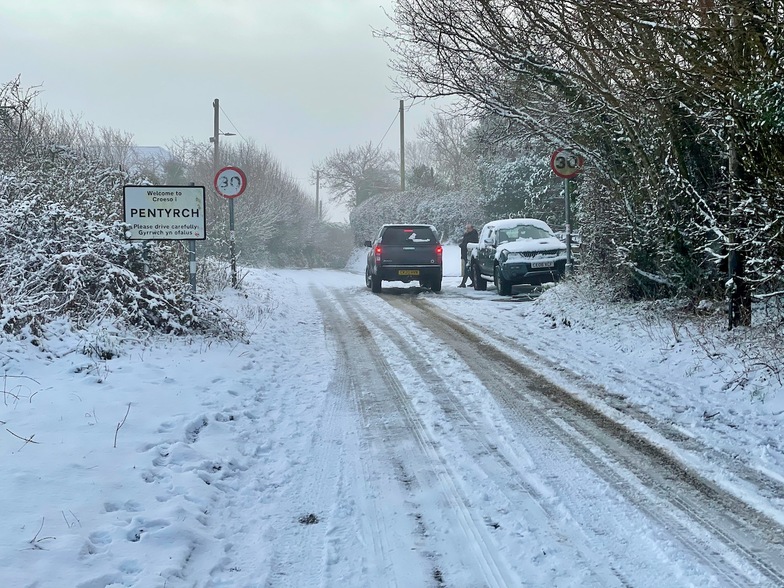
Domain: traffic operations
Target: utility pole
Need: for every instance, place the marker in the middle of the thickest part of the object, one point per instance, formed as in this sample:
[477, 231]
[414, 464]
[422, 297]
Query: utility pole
[402, 150]
[215, 136]
[216, 167]
[318, 212]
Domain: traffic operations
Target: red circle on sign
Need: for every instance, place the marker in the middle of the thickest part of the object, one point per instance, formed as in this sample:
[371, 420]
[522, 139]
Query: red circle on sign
[230, 182]
[565, 164]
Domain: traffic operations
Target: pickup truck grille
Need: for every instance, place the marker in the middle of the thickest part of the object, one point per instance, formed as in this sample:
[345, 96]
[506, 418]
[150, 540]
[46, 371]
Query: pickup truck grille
[549, 253]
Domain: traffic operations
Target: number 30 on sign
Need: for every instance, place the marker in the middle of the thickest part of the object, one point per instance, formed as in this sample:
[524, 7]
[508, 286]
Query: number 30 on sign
[230, 182]
[565, 164]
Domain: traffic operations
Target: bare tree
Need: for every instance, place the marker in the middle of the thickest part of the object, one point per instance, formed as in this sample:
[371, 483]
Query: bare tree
[448, 139]
[16, 115]
[672, 102]
[274, 218]
[358, 173]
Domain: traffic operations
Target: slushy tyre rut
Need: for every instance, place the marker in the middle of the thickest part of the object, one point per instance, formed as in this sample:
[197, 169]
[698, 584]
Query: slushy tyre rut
[546, 470]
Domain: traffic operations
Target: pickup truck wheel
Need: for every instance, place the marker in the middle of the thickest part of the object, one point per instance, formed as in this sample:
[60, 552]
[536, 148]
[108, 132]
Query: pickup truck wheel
[375, 284]
[479, 282]
[367, 277]
[435, 285]
[503, 286]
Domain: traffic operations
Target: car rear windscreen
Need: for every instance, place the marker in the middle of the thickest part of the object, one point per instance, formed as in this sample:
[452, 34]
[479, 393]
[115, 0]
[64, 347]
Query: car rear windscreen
[408, 236]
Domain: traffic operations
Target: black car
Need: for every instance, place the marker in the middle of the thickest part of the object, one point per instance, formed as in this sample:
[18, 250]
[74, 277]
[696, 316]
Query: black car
[405, 253]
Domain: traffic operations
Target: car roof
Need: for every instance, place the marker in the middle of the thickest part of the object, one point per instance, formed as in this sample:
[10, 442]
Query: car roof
[513, 222]
[408, 225]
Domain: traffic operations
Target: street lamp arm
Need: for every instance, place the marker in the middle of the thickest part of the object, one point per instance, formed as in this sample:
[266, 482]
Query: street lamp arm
[212, 139]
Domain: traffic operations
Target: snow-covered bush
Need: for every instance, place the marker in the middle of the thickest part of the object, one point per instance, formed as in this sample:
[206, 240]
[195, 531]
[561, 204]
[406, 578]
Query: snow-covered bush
[447, 211]
[63, 252]
[276, 223]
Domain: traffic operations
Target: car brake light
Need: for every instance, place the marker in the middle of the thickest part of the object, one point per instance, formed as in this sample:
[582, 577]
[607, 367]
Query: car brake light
[439, 249]
[377, 252]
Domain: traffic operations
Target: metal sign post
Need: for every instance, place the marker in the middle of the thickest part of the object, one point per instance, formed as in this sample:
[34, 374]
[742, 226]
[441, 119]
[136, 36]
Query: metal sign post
[568, 219]
[192, 264]
[231, 182]
[567, 165]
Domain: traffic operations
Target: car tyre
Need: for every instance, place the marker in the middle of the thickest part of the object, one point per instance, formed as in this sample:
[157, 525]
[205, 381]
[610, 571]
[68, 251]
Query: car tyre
[375, 284]
[435, 285]
[503, 286]
[479, 282]
[367, 277]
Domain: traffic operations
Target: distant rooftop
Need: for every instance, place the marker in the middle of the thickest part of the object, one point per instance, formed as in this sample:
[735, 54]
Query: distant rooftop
[150, 152]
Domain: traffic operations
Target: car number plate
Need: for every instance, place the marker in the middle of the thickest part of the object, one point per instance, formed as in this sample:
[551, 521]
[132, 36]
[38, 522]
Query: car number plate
[540, 264]
[408, 272]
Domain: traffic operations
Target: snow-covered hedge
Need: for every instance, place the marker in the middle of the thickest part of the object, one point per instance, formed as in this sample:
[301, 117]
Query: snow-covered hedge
[447, 211]
[63, 254]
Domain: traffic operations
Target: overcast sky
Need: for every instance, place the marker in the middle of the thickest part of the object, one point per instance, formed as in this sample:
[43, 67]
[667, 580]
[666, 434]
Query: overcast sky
[299, 77]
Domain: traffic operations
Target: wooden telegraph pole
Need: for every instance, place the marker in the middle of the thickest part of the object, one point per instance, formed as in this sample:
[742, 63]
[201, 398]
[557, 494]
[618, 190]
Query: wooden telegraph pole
[318, 211]
[233, 183]
[402, 150]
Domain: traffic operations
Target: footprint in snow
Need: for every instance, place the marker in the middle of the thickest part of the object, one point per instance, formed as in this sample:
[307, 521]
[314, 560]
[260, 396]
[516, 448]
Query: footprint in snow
[192, 430]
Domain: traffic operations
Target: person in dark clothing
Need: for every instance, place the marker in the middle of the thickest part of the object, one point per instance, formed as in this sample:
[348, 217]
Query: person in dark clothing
[470, 236]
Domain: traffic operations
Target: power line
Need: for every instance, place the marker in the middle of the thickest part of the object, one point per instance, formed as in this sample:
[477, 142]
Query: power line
[232, 124]
[390, 127]
[397, 113]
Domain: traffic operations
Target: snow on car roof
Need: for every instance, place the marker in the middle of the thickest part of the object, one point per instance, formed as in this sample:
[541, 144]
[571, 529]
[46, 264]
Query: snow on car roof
[505, 223]
[408, 225]
[431, 227]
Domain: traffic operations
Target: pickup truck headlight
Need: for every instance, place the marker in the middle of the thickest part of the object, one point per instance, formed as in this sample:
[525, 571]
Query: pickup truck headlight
[511, 256]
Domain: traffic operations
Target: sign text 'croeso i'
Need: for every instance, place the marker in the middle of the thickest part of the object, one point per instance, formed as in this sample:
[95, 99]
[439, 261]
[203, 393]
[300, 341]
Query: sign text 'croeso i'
[164, 212]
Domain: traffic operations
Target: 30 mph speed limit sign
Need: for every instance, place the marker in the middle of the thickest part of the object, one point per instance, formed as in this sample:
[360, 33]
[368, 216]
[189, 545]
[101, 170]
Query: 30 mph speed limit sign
[565, 164]
[230, 182]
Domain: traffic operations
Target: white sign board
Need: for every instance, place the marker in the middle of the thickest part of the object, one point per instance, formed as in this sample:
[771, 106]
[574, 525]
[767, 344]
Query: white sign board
[164, 212]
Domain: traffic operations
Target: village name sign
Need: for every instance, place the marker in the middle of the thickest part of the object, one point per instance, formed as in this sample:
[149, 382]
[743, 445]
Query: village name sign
[164, 212]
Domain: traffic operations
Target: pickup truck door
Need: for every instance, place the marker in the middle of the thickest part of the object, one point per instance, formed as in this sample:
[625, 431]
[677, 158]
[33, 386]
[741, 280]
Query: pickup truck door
[486, 252]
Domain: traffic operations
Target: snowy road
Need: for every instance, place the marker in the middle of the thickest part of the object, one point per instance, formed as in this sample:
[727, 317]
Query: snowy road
[525, 475]
[406, 439]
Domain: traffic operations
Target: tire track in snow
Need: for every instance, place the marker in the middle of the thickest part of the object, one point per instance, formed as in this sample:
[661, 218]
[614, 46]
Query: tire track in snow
[703, 513]
[497, 460]
[769, 487]
[371, 524]
[435, 471]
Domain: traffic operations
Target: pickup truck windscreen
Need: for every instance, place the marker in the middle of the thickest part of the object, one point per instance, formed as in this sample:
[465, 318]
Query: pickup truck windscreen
[522, 232]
